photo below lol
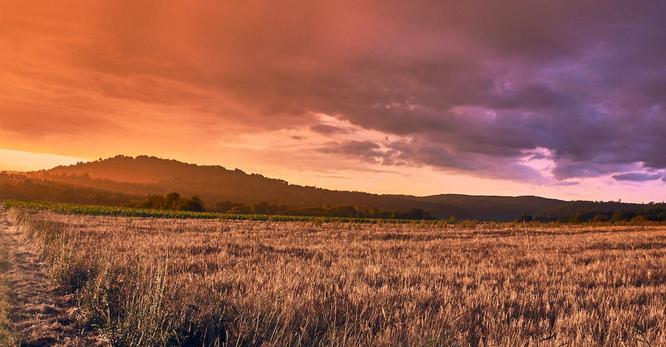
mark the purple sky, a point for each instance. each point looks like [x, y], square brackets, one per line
[559, 98]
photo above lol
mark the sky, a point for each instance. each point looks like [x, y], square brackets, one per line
[562, 99]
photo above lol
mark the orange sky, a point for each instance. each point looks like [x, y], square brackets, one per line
[346, 96]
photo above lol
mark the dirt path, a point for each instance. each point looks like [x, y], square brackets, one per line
[42, 314]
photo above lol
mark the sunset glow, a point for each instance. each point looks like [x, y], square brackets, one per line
[555, 99]
[11, 160]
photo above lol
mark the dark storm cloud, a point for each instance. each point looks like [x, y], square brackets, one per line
[637, 177]
[326, 129]
[585, 80]
[366, 150]
[475, 85]
[425, 153]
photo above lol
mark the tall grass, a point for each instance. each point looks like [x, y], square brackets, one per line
[7, 335]
[127, 299]
[246, 283]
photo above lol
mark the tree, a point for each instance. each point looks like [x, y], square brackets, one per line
[617, 216]
[264, 208]
[195, 204]
[224, 206]
[172, 201]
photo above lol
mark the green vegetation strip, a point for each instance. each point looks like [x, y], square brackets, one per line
[94, 210]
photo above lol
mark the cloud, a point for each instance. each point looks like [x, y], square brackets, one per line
[326, 129]
[637, 177]
[473, 84]
[416, 153]
[367, 151]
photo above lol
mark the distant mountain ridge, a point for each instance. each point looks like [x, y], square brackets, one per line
[145, 175]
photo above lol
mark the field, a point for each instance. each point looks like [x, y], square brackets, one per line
[160, 281]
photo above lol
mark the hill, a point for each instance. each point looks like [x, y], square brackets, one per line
[20, 186]
[144, 175]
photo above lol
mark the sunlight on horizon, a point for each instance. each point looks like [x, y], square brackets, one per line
[13, 160]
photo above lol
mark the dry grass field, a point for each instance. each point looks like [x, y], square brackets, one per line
[7, 336]
[247, 283]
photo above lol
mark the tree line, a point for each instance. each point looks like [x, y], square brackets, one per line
[171, 201]
[174, 201]
[323, 211]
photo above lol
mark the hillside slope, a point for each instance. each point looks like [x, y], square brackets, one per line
[144, 175]
[214, 184]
